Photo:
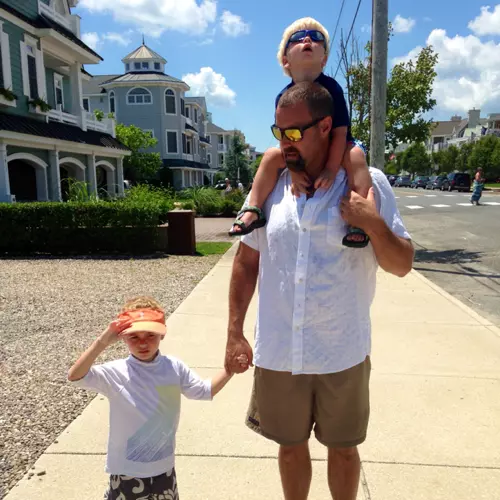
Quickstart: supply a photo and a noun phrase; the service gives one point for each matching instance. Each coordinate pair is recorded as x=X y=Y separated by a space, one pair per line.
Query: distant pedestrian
x=144 y=392
x=240 y=186
x=478 y=187
x=228 y=186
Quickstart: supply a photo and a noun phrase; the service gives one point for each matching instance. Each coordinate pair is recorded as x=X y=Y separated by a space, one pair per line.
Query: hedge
x=81 y=227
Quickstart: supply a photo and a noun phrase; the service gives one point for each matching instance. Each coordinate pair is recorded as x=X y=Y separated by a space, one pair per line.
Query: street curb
x=484 y=322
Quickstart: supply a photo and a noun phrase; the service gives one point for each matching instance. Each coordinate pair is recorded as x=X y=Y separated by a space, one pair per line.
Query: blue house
x=46 y=135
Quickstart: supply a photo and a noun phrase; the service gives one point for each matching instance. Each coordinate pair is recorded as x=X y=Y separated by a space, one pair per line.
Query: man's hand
x=112 y=333
x=238 y=350
x=326 y=178
x=358 y=211
x=300 y=183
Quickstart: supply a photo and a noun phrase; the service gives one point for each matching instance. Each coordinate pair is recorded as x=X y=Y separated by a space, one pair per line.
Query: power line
x=337 y=25
x=349 y=35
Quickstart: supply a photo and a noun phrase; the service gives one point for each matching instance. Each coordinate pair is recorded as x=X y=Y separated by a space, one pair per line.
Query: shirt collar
x=146 y=364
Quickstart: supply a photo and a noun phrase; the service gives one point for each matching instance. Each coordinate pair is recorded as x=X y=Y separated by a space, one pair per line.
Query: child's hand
x=300 y=183
x=325 y=178
x=243 y=360
x=112 y=333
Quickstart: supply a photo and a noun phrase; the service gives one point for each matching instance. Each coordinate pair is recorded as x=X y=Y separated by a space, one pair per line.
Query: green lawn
x=212 y=247
x=492 y=185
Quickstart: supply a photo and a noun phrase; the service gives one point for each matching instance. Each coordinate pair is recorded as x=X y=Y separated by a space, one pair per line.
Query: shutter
x=112 y=104
x=2 y=83
x=32 y=78
x=184 y=143
x=7 y=74
x=40 y=71
x=24 y=66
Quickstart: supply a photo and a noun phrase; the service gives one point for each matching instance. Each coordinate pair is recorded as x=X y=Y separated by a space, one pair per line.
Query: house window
x=184 y=143
x=157 y=66
x=137 y=65
x=86 y=104
x=183 y=107
x=5 y=66
x=58 y=88
x=127 y=67
x=189 y=148
x=32 y=68
x=195 y=115
x=209 y=158
x=170 y=102
x=172 y=141
x=221 y=139
x=112 y=102
x=32 y=74
x=187 y=112
x=139 y=96
x=145 y=65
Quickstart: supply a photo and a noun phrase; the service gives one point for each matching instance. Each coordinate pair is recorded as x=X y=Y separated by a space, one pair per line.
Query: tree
x=415 y=159
x=254 y=166
x=449 y=159
x=140 y=165
x=236 y=164
x=409 y=95
x=462 y=162
x=482 y=155
x=495 y=163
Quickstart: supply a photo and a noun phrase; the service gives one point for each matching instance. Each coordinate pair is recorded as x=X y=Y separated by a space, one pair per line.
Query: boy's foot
x=247 y=220
x=355 y=238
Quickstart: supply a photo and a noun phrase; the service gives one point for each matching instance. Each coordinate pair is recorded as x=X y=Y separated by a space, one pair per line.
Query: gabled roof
x=448 y=127
x=143 y=77
x=93 y=86
x=143 y=52
x=197 y=100
x=214 y=129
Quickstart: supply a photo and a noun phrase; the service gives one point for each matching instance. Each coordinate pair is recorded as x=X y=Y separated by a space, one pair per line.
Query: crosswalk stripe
x=413 y=207
x=492 y=203
x=441 y=206
x=430 y=195
x=465 y=204
x=449 y=195
x=412 y=196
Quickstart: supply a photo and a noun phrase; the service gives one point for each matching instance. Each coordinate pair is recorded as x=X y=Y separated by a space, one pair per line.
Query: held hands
x=300 y=183
x=358 y=211
x=326 y=177
x=112 y=333
x=239 y=355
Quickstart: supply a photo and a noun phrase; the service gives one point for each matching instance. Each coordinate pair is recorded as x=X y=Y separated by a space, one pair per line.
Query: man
x=228 y=186
x=312 y=341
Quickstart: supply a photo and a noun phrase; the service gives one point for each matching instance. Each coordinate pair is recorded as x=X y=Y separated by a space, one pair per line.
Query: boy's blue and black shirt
x=340 y=112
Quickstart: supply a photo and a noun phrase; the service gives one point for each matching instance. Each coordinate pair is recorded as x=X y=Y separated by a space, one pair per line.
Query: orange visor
x=144 y=320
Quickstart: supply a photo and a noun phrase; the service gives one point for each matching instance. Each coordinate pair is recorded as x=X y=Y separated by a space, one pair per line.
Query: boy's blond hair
x=142 y=302
x=301 y=24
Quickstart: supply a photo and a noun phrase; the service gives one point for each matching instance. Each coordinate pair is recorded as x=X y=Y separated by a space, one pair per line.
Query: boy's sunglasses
x=294 y=134
x=300 y=36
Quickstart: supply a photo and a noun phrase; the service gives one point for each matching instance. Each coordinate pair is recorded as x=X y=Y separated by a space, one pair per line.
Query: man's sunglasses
x=294 y=134
x=300 y=36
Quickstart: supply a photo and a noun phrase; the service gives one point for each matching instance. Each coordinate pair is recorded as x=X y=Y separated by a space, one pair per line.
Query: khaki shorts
x=286 y=407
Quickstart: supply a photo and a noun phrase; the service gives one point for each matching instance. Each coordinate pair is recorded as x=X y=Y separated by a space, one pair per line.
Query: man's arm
x=394 y=254
x=241 y=290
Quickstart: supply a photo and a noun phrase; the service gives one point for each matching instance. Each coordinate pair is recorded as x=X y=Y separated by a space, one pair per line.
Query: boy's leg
x=263 y=184
x=127 y=488
x=360 y=181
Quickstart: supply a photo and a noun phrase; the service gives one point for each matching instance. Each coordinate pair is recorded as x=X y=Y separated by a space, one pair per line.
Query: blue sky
x=236 y=43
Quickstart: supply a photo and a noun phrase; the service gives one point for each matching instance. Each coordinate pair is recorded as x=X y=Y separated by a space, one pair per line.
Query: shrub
x=80 y=227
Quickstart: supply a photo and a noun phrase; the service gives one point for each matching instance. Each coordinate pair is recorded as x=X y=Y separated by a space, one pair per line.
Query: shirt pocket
x=336 y=227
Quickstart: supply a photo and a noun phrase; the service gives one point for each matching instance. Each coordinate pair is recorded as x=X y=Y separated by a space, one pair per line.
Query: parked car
x=392 y=179
x=457 y=180
x=403 y=181
x=420 y=182
x=436 y=182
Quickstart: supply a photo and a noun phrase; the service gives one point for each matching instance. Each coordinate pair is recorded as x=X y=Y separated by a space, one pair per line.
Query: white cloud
x=402 y=24
x=468 y=72
x=488 y=22
x=91 y=39
x=213 y=86
x=119 y=38
x=156 y=16
x=233 y=25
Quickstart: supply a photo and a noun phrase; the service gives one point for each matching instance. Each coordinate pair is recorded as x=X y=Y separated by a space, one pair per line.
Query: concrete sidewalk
x=434 y=431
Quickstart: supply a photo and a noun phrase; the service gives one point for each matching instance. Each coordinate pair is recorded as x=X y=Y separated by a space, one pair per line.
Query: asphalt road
x=457 y=244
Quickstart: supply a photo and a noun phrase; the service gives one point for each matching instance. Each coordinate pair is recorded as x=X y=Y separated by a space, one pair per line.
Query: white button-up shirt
x=314 y=293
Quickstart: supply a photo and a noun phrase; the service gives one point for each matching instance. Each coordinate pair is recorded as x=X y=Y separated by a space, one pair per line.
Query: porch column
x=119 y=177
x=42 y=184
x=91 y=174
x=55 y=176
x=75 y=78
x=111 y=182
x=4 y=175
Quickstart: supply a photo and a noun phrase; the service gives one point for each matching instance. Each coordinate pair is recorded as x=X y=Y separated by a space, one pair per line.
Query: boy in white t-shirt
x=144 y=392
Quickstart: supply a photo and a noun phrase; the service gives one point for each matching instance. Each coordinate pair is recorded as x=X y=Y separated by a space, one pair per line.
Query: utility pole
x=380 y=38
